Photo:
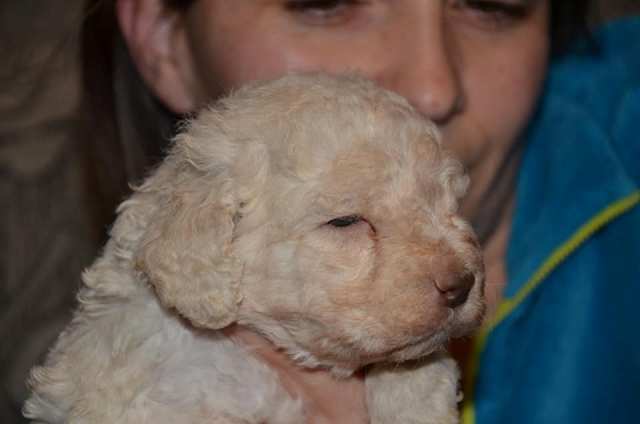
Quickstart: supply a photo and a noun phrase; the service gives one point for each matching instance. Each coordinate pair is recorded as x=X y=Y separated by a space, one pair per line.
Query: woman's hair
x=127 y=130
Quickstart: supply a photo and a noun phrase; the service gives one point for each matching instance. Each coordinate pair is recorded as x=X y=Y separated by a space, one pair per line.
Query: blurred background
x=39 y=93
x=39 y=101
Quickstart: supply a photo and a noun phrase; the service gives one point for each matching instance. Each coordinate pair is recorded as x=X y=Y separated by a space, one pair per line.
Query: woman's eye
x=496 y=12
x=323 y=11
x=345 y=221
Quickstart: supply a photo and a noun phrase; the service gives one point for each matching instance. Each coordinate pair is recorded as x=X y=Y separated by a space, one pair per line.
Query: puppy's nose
x=452 y=280
x=455 y=288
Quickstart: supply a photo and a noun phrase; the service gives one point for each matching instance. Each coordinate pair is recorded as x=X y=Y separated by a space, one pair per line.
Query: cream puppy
x=317 y=212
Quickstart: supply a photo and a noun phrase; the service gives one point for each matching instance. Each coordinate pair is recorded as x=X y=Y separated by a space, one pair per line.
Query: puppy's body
x=317 y=212
x=168 y=373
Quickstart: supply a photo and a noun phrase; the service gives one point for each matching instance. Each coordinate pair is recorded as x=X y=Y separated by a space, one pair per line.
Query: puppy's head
x=322 y=212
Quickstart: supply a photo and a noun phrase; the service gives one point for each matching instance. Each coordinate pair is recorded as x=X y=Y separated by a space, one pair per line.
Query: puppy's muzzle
x=453 y=281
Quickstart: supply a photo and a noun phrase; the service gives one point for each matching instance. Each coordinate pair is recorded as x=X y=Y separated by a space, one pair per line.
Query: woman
x=476 y=68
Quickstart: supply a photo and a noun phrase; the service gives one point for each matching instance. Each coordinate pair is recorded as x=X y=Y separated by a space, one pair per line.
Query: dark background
x=41 y=229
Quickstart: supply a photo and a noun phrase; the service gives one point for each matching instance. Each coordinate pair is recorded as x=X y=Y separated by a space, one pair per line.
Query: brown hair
x=127 y=128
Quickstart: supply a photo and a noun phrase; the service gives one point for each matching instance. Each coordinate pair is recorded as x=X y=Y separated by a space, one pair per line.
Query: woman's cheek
x=240 y=42
x=279 y=55
x=502 y=76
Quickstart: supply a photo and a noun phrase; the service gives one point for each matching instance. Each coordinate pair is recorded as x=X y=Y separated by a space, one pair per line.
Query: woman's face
x=474 y=67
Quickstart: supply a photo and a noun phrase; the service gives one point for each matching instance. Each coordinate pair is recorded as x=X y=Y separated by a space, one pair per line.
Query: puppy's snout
x=455 y=290
x=453 y=281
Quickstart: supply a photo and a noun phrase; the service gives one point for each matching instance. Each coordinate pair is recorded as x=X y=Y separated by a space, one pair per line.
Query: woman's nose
x=427 y=71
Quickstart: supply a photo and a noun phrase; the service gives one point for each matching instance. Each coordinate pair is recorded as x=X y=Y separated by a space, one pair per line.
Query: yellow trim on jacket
x=507 y=306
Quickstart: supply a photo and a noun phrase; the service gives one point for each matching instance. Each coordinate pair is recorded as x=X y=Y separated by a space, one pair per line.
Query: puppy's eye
x=345 y=221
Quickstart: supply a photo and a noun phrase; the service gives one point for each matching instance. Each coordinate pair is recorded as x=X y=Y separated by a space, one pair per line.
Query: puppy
x=317 y=212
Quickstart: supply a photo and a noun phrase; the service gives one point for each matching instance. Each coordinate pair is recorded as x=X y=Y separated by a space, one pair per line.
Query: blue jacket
x=565 y=346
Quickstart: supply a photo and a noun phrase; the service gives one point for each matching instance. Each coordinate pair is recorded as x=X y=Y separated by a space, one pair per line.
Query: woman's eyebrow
x=530 y=2
x=526 y=3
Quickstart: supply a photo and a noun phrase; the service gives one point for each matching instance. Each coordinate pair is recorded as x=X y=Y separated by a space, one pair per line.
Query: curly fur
x=233 y=227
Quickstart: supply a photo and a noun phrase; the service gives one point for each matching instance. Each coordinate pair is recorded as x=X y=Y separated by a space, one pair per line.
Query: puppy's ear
x=185 y=249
